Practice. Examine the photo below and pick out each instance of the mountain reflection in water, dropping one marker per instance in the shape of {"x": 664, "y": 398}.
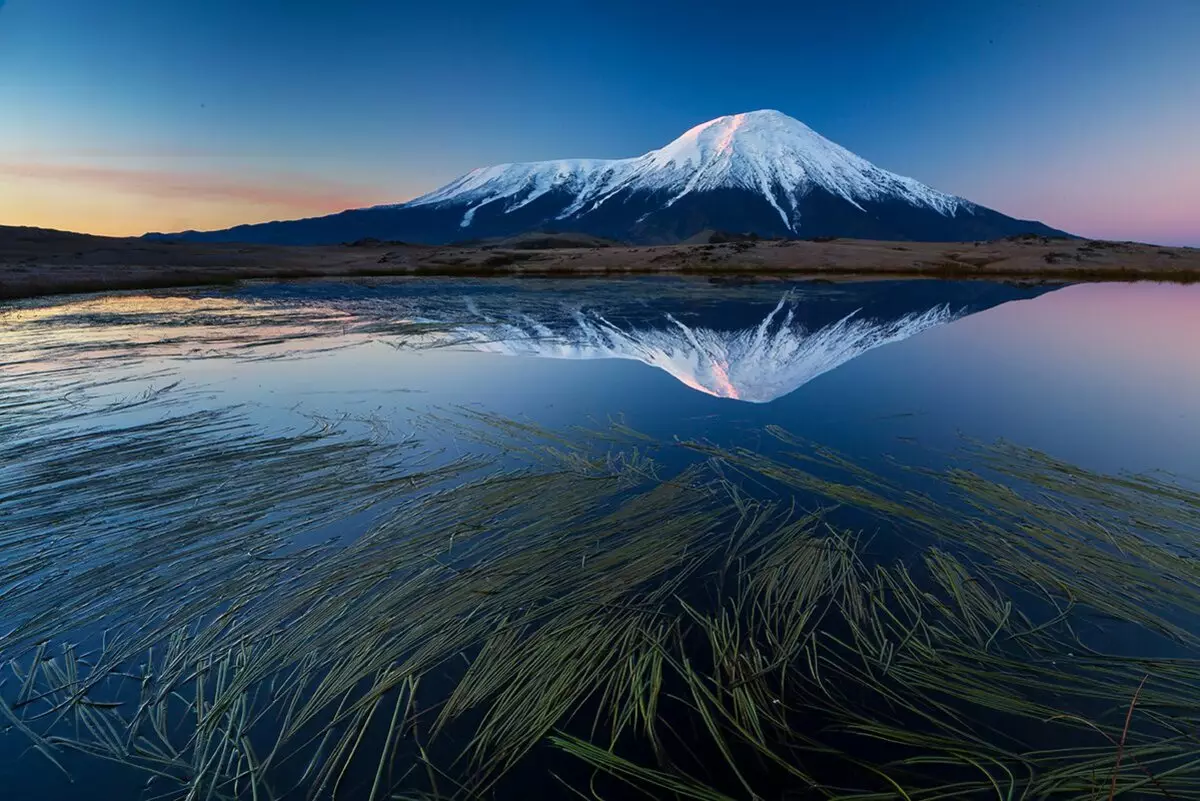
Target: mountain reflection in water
{"x": 755, "y": 342}
{"x": 757, "y": 364}
{"x": 743, "y": 349}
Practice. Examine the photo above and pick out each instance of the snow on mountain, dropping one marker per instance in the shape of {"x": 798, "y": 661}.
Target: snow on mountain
{"x": 761, "y": 172}
{"x": 757, "y": 364}
{"x": 765, "y": 152}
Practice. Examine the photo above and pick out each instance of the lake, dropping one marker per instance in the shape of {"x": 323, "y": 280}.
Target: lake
{"x": 645, "y": 537}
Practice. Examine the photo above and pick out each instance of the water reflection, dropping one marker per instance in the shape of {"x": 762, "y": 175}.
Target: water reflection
{"x": 757, "y": 364}
{"x": 293, "y": 526}
{"x": 751, "y": 343}
{"x": 754, "y": 343}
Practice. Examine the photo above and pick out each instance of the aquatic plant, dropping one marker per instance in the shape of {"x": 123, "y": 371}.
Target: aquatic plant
{"x": 350, "y": 614}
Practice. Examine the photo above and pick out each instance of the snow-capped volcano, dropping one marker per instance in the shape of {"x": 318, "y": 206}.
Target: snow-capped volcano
{"x": 763, "y": 152}
{"x": 759, "y": 172}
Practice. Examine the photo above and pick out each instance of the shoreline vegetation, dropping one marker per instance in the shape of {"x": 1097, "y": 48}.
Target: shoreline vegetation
{"x": 715, "y": 632}
{"x": 36, "y": 262}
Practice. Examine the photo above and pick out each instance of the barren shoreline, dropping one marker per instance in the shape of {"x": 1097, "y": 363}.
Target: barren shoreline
{"x": 36, "y": 262}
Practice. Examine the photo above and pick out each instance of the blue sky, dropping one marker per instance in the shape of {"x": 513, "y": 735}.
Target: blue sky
{"x": 127, "y": 116}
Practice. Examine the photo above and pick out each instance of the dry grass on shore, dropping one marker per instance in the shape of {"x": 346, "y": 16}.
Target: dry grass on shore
{"x": 37, "y": 262}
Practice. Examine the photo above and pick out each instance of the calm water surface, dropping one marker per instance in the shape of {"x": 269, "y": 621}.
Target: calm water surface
{"x": 1104, "y": 376}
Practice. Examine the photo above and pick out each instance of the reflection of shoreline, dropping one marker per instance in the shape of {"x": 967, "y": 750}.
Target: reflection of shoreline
{"x": 757, "y": 364}
{"x": 749, "y": 345}
{"x": 131, "y": 326}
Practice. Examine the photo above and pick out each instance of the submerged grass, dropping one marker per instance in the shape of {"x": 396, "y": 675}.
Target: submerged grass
{"x": 561, "y": 605}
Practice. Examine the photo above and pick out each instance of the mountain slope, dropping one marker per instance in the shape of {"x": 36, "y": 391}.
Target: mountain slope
{"x": 761, "y": 172}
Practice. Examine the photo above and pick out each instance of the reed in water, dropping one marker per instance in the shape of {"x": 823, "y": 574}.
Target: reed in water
{"x": 595, "y": 610}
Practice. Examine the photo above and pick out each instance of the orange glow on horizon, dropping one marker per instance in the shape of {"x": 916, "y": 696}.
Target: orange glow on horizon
{"x": 130, "y": 202}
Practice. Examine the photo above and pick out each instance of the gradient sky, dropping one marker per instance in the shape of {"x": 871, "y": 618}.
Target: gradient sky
{"x": 125, "y": 116}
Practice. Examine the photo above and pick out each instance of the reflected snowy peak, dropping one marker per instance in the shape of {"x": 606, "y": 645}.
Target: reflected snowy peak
{"x": 753, "y": 341}
{"x": 756, "y": 364}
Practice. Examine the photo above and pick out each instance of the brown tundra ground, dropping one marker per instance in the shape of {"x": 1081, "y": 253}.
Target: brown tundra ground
{"x": 36, "y": 261}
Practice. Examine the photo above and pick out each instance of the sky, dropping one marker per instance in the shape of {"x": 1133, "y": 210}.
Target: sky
{"x": 128, "y": 116}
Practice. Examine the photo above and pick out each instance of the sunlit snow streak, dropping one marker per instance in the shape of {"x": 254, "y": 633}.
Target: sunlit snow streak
{"x": 759, "y": 364}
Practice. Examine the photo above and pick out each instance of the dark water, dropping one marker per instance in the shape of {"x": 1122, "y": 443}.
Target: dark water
{"x": 1106, "y": 377}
